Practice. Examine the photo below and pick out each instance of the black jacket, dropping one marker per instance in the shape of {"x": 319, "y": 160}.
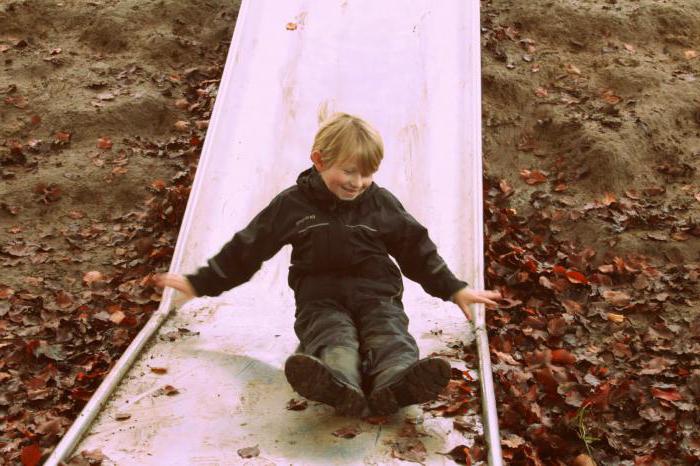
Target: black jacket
{"x": 333, "y": 240}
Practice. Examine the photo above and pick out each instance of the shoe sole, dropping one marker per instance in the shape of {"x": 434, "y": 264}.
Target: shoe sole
{"x": 309, "y": 377}
{"x": 421, "y": 382}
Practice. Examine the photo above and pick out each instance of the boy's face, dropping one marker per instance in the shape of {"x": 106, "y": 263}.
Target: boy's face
{"x": 342, "y": 179}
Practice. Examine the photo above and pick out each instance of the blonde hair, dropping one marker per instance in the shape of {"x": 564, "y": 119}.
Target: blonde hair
{"x": 342, "y": 137}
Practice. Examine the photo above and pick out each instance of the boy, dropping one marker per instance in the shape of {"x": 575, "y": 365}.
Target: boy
{"x": 355, "y": 350}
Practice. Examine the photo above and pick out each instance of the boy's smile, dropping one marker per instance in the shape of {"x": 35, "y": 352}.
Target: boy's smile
{"x": 343, "y": 178}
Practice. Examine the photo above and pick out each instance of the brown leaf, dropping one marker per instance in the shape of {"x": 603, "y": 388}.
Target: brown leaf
{"x": 609, "y": 96}
{"x": 583, "y": 460}
{"x": 409, "y": 449}
{"x": 291, "y": 26}
{"x": 249, "y": 452}
{"x": 18, "y": 101}
{"x": 182, "y": 126}
{"x": 557, "y": 327}
{"x": 159, "y": 370}
{"x": 571, "y": 306}
{"x": 533, "y": 176}
{"x": 182, "y": 104}
{"x": 609, "y": 199}
{"x": 347, "y": 432}
{"x": 121, "y": 416}
{"x": 617, "y": 318}
{"x": 460, "y": 454}
{"x": 658, "y": 236}
{"x": 117, "y": 318}
{"x": 690, "y": 54}
{"x": 6, "y": 292}
{"x": 573, "y": 69}
{"x": 297, "y": 405}
{"x": 541, "y": 92}
{"x": 63, "y": 299}
{"x": 616, "y": 298}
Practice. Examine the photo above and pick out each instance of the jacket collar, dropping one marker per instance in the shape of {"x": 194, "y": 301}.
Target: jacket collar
{"x": 311, "y": 184}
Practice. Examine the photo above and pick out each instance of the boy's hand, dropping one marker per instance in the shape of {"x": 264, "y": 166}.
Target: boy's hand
{"x": 179, "y": 282}
{"x": 466, "y": 296}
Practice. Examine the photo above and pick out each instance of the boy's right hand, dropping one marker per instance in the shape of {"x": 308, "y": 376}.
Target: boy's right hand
{"x": 179, "y": 282}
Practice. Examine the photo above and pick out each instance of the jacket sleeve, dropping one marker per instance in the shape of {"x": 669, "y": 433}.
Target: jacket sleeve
{"x": 243, "y": 255}
{"x": 416, "y": 254}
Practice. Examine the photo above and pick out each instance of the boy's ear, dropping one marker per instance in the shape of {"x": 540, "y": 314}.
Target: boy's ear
{"x": 316, "y": 159}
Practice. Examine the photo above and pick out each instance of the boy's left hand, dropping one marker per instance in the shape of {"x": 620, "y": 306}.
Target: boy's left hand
{"x": 466, "y": 296}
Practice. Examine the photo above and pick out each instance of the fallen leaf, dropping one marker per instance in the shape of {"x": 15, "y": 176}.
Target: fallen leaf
{"x": 690, "y": 54}
{"x": 159, "y": 370}
{"x": 31, "y": 455}
{"x": 460, "y": 454}
{"x": 121, "y": 416}
{"x": 182, "y": 104}
{"x": 533, "y": 176}
{"x": 629, "y": 47}
{"x": 117, "y": 318}
{"x": 62, "y": 136}
{"x": 609, "y": 199}
{"x": 616, "y": 298}
{"x": 563, "y": 356}
{"x": 182, "y": 126}
{"x": 668, "y": 395}
{"x": 104, "y": 143}
{"x": 541, "y": 92}
{"x": 576, "y": 277}
{"x": 291, "y": 26}
{"x": 249, "y": 452}
{"x": 17, "y": 101}
{"x": 409, "y": 449}
{"x": 657, "y": 236}
{"x": 583, "y": 460}
{"x": 347, "y": 432}
{"x": 571, "y": 306}
{"x": 617, "y": 318}
{"x": 573, "y": 69}
{"x": 92, "y": 277}
{"x": 297, "y": 405}
{"x": 609, "y": 96}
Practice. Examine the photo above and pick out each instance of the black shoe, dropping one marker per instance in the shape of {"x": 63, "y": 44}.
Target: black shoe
{"x": 312, "y": 379}
{"x": 420, "y": 382}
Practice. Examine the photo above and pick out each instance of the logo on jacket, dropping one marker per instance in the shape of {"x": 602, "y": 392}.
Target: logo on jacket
{"x": 305, "y": 219}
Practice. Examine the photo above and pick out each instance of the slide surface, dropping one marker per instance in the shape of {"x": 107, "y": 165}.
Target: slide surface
{"x": 411, "y": 69}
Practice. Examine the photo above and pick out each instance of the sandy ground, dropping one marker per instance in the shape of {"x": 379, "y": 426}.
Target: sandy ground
{"x": 583, "y": 102}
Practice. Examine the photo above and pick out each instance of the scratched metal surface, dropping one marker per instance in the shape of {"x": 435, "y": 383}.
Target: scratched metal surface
{"x": 411, "y": 68}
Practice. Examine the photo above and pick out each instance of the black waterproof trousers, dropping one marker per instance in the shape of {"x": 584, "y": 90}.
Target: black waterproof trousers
{"x": 357, "y": 337}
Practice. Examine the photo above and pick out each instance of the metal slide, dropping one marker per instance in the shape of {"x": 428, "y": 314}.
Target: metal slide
{"x": 412, "y": 69}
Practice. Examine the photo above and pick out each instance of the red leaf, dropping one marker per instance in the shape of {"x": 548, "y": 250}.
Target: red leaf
{"x": 104, "y": 143}
{"x": 31, "y": 455}
{"x": 668, "y": 395}
{"x": 62, "y": 136}
{"x": 576, "y": 277}
{"x": 563, "y": 356}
